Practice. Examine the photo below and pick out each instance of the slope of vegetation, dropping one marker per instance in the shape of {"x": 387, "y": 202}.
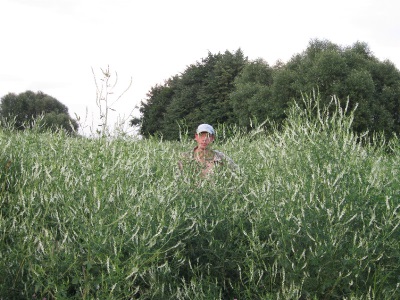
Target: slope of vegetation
{"x": 313, "y": 214}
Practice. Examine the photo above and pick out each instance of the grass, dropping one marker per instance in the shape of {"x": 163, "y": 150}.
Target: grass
{"x": 313, "y": 214}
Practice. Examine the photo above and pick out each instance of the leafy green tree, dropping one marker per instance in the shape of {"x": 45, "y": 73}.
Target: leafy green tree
{"x": 252, "y": 97}
{"x": 25, "y": 108}
{"x": 199, "y": 95}
{"x": 188, "y": 104}
{"x": 219, "y": 85}
{"x": 386, "y": 104}
{"x": 349, "y": 73}
{"x": 228, "y": 89}
{"x": 154, "y": 109}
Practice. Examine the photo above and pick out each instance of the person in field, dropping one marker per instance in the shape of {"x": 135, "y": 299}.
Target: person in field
{"x": 203, "y": 159}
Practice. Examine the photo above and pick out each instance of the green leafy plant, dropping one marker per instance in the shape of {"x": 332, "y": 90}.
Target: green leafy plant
{"x": 314, "y": 214}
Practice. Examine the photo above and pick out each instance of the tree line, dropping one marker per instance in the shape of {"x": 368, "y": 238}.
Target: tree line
{"x": 227, "y": 88}
{"x": 29, "y": 109}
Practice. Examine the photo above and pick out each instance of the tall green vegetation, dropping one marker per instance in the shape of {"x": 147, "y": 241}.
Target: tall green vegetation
{"x": 29, "y": 109}
{"x": 229, "y": 89}
{"x": 313, "y": 214}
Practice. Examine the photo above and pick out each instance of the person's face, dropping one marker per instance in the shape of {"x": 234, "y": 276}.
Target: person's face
{"x": 203, "y": 139}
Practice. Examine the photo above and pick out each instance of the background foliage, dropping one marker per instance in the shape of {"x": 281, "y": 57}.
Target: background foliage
{"x": 25, "y": 109}
{"x": 313, "y": 214}
{"x": 200, "y": 94}
{"x": 229, "y": 89}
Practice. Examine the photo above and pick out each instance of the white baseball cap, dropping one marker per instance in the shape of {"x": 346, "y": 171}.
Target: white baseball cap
{"x": 205, "y": 128}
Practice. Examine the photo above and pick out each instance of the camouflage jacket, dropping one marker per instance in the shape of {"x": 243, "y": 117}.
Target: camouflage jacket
{"x": 214, "y": 160}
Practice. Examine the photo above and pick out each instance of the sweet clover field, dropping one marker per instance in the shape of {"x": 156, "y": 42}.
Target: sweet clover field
{"x": 312, "y": 214}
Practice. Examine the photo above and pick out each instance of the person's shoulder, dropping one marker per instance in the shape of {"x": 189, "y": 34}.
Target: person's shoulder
{"x": 219, "y": 155}
{"x": 186, "y": 155}
{"x": 222, "y": 157}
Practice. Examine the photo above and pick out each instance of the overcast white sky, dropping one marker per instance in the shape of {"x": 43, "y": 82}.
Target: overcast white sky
{"x": 51, "y": 45}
